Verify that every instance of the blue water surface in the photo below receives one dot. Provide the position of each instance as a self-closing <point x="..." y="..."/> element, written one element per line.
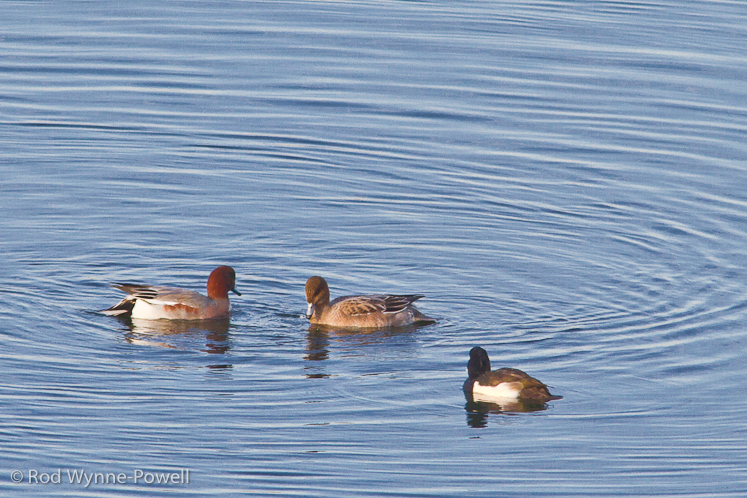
<point x="565" y="182"/>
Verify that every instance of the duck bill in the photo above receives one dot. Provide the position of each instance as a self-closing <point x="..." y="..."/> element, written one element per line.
<point x="235" y="291"/>
<point x="310" y="311"/>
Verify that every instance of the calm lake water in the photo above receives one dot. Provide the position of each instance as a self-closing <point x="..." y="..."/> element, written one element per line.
<point x="565" y="181"/>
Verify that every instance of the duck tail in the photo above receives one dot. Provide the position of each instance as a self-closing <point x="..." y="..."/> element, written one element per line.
<point x="122" y="308"/>
<point x="421" y="318"/>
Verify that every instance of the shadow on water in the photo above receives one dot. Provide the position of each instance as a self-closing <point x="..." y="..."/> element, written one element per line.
<point x="478" y="411"/>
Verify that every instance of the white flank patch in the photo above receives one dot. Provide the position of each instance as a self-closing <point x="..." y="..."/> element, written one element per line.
<point x="147" y="311"/>
<point x="503" y="391"/>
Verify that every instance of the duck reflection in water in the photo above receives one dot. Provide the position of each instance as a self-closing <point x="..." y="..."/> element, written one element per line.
<point x="320" y="337"/>
<point x="506" y="390"/>
<point x="478" y="411"/>
<point x="179" y="334"/>
<point x="317" y="349"/>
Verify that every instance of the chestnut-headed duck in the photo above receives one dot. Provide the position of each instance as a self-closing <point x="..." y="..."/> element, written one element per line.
<point x="503" y="384"/>
<point x="152" y="302"/>
<point x="371" y="311"/>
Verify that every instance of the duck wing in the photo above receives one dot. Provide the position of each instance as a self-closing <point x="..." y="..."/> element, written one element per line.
<point x="395" y="304"/>
<point x="365" y="305"/>
<point x="167" y="296"/>
<point x="155" y="293"/>
<point x="508" y="375"/>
